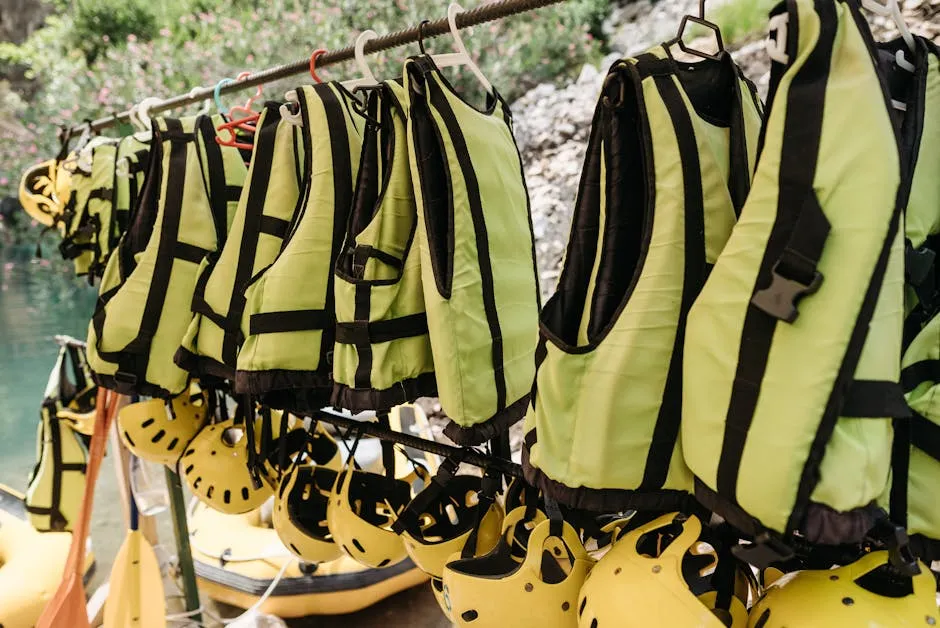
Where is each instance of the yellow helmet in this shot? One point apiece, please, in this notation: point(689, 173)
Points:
point(215, 465)
point(454, 516)
point(640, 581)
point(159, 430)
point(363, 507)
point(512, 586)
point(303, 496)
point(38, 193)
point(863, 593)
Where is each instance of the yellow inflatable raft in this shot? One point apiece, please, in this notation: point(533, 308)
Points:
point(31, 563)
point(237, 556)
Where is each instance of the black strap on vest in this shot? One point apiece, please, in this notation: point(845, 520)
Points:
point(916, 374)
point(364, 333)
point(296, 320)
point(794, 274)
point(875, 400)
point(408, 519)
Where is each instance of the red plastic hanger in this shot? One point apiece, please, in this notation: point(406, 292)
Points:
point(245, 123)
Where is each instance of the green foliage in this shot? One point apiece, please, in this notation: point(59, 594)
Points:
point(96, 23)
point(101, 56)
point(740, 19)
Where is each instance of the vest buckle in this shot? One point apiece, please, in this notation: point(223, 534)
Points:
point(123, 377)
point(766, 550)
point(920, 272)
point(780, 298)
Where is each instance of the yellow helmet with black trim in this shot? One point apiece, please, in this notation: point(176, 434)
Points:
point(641, 581)
point(454, 516)
point(531, 578)
point(864, 593)
point(303, 495)
point(216, 466)
point(159, 430)
point(38, 193)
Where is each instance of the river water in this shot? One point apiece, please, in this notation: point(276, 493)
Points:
point(40, 298)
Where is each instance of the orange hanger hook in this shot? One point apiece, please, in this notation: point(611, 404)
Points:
point(319, 52)
point(259, 92)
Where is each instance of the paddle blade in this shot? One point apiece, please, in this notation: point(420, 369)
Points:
point(67, 608)
point(135, 599)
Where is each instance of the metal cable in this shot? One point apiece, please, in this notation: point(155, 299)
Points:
point(487, 12)
point(470, 456)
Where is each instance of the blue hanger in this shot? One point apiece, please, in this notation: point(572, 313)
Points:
point(217, 96)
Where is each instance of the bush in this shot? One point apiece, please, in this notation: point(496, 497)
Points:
point(99, 22)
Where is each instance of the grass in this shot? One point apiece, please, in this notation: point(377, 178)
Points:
point(738, 19)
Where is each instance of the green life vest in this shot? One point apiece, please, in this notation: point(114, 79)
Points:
point(289, 321)
point(383, 355)
point(56, 485)
point(139, 322)
point(88, 209)
point(668, 169)
point(916, 464)
point(266, 206)
point(130, 168)
point(477, 254)
point(792, 348)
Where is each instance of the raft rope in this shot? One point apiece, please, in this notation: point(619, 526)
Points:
point(488, 12)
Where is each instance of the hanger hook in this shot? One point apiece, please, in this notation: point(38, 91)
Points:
point(421, 35)
point(701, 9)
point(319, 52)
point(359, 49)
point(217, 94)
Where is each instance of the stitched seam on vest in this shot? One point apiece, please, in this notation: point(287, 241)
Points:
point(810, 476)
point(666, 431)
point(464, 160)
point(799, 155)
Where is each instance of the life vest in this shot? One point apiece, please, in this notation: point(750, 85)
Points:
point(792, 349)
point(916, 464)
point(477, 253)
point(668, 169)
point(289, 321)
point(130, 167)
point(383, 355)
point(261, 220)
point(138, 325)
point(56, 485)
point(89, 203)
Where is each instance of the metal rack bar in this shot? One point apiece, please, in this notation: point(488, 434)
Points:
point(484, 13)
point(470, 456)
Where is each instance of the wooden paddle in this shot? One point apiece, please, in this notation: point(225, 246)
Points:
point(135, 595)
point(67, 606)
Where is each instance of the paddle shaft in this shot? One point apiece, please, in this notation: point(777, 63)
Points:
point(183, 552)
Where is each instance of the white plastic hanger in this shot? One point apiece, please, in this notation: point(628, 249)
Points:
point(891, 9)
point(461, 57)
point(368, 78)
point(206, 104)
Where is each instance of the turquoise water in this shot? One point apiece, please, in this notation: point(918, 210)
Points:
point(38, 299)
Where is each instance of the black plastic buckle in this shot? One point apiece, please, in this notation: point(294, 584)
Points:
point(123, 377)
point(896, 540)
point(781, 297)
point(918, 264)
point(764, 551)
point(69, 249)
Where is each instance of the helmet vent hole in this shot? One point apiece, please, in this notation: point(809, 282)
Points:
point(227, 496)
point(189, 452)
point(232, 435)
point(594, 623)
point(294, 547)
point(931, 621)
point(529, 587)
point(565, 606)
point(148, 422)
point(358, 545)
point(470, 615)
point(188, 469)
point(848, 601)
point(158, 436)
point(173, 444)
point(833, 578)
point(129, 439)
point(763, 619)
point(581, 607)
point(617, 571)
point(197, 482)
point(384, 562)
point(245, 493)
point(210, 492)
